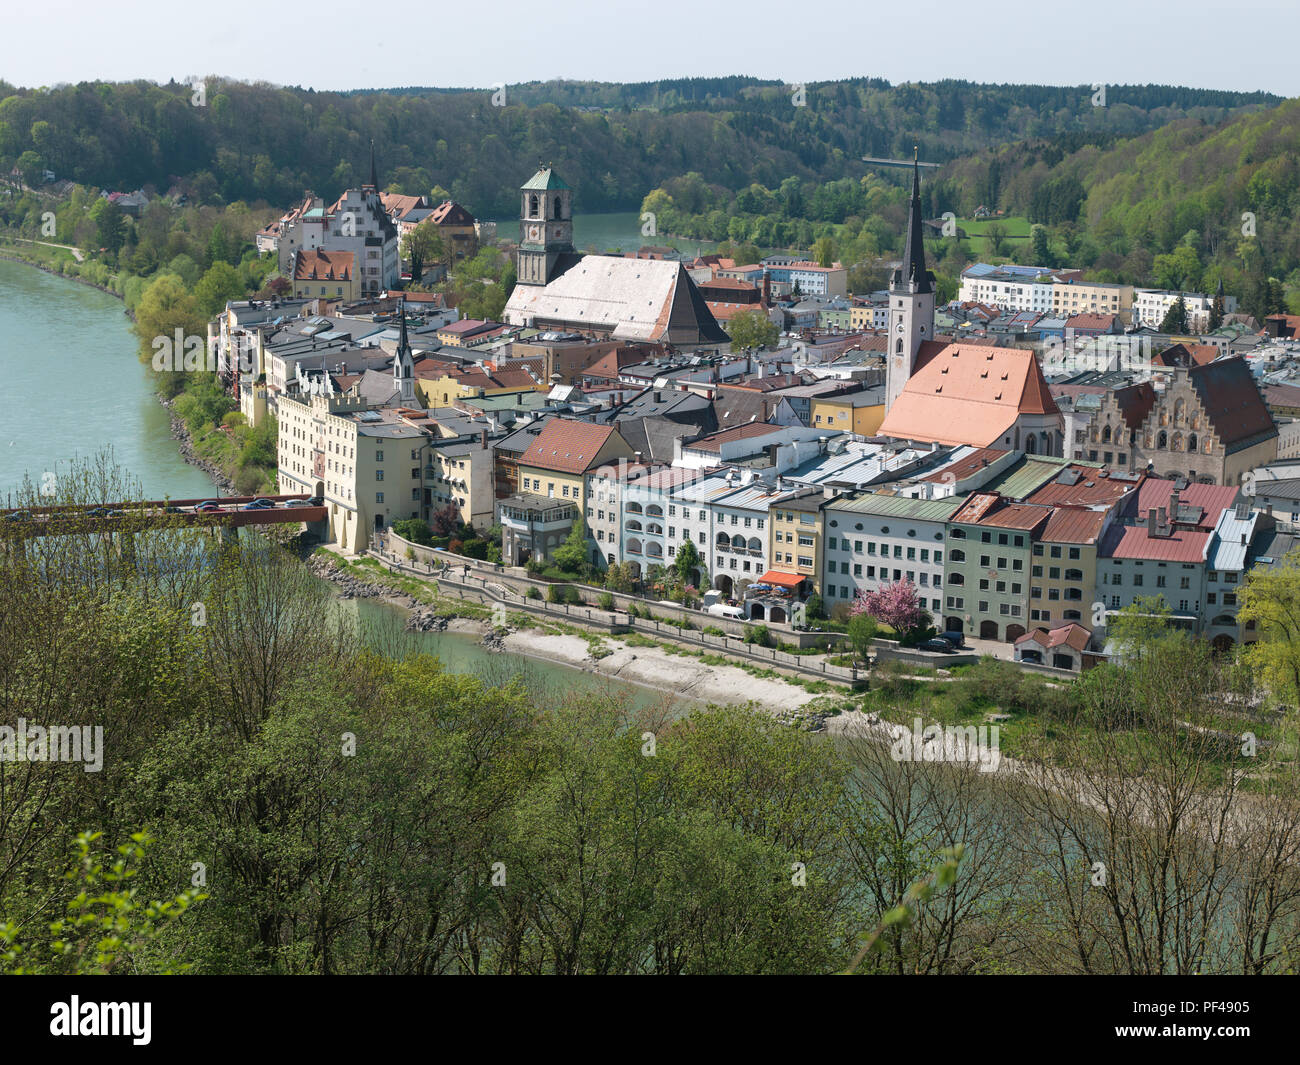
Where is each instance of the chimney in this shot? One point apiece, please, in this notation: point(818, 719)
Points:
point(1151, 521)
point(482, 439)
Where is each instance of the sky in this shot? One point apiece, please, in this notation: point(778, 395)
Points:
point(1200, 43)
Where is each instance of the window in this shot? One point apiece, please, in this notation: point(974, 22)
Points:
point(379, 475)
point(379, 497)
point(379, 456)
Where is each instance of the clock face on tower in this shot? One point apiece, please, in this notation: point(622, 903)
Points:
point(535, 233)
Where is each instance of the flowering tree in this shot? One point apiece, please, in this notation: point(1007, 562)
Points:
point(896, 605)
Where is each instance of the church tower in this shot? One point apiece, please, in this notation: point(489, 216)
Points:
point(545, 227)
point(911, 302)
point(404, 365)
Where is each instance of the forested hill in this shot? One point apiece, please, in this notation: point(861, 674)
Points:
point(613, 143)
point(1184, 187)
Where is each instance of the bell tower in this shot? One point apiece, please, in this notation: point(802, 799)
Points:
point(545, 226)
point(911, 301)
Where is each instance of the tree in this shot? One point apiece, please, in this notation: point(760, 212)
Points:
point(165, 307)
point(1217, 312)
point(862, 630)
point(423, 245)
point(571, 556)
point(688, 558)
point(414, 530)
point(1175, 319)
point(896, 605)
point(110, 231)
point(219, 248)
point(752, 329)
point(446, 520)
point(220, 284)
point(1038, 242)
point(824, 251)
point(1271, 599)
point(32, 168)
point(995, 235)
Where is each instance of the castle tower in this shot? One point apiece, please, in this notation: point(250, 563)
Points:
point(545, 226)
point(911, 302)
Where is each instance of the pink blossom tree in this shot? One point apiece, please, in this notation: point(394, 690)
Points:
point(896, 605)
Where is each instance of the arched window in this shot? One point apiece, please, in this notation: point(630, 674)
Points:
point(1162, 439)
point(654, 510)
point(1180, 411)
point(532, 205)
point(755, 544)
point(1105, 435)
point(956, 578)
point(654, 529)
point(559, 201)
point(958, 534)
point(634, 526)
point(634, 508)
point(634, 546)
point(957, 555)
point(1031, 445)
point(723, 540)
point(1074, 574)
point(898, 348)
point(1192, 444)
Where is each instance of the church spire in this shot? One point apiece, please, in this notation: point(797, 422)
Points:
point(914, 272)
point(403, 343)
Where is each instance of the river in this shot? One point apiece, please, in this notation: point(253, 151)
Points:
point(74, 385)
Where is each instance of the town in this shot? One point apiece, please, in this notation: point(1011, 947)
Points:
point(1022, 463)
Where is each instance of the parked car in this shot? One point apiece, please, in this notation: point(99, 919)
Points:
point(19, 515)
point(259, 504)
point(208, 505)
point(97, 512)
point(300, 503)
point(954, 638)
point(936, 644)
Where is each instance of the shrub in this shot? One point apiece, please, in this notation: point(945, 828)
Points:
point(553, 593)
point(713, 630)
point(758, 634)
point(606, 601)
point(572, 595)
point(533, 593)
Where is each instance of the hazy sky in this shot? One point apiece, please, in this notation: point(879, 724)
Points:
point(325, 45)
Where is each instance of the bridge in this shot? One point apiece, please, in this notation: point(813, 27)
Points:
point(229, 514)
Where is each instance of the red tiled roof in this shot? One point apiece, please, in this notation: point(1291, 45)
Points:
point(1091, 320)
point(1072, 635)
point(567, 446)
point(1187, 355)
point(1282, 395)
point(450, 213)
point(963, 468)
point(969, 394)
point(322, 265)
point(1089, 488)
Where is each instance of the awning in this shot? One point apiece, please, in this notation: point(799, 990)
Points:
point(782, 580)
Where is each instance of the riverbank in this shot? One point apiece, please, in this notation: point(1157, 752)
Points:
point(646, 664)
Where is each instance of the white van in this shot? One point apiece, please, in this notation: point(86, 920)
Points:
point(721, 610)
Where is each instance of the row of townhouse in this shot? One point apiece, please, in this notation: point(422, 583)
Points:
point(997, 544)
